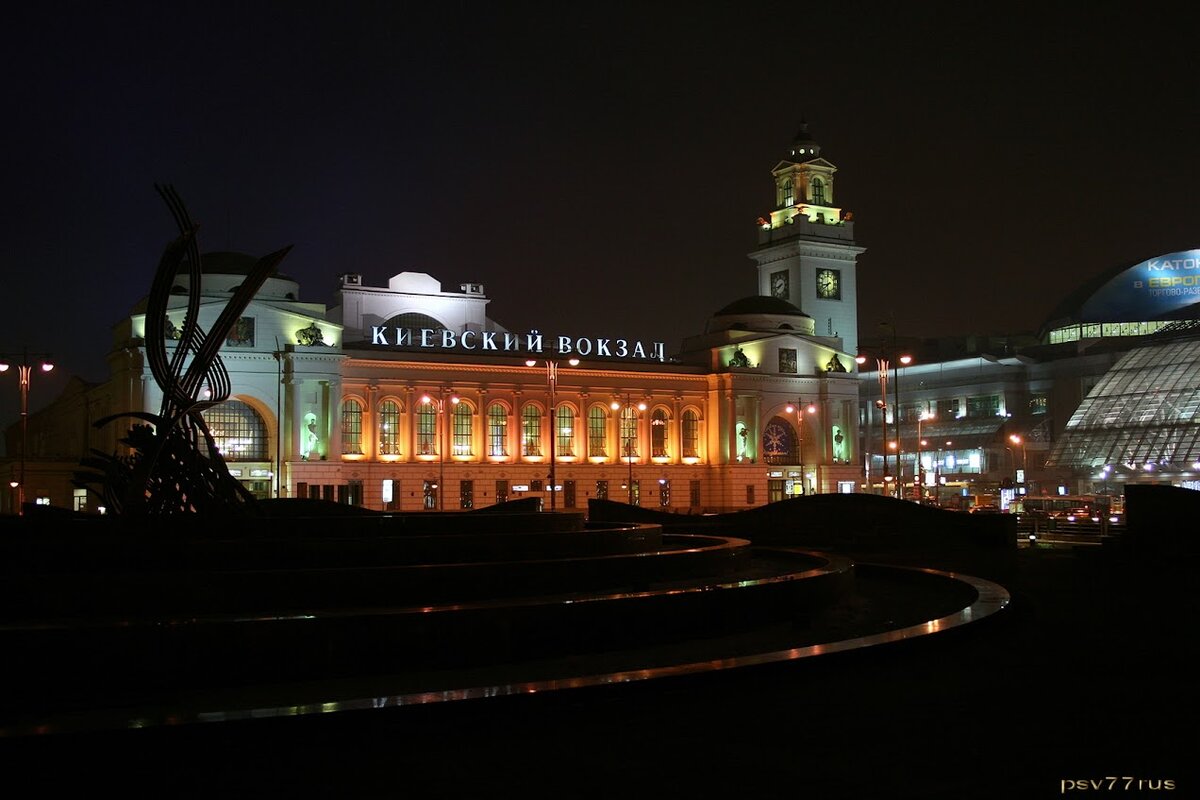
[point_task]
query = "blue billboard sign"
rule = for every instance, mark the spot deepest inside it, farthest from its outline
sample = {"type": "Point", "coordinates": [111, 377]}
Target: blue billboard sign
{"type": "Point", "coordinates": [1151, 290]}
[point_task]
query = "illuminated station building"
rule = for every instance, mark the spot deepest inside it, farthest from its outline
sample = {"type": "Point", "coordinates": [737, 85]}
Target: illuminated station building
{"type": "Point", "coordinates": [410, 397]}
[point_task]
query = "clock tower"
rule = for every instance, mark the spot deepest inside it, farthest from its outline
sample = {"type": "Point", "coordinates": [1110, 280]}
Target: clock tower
{"type": "Point", "coordinates": [806, 252]}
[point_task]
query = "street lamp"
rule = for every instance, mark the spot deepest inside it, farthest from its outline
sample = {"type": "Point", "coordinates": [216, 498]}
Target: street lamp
{"type": "Point", "coordinates": [24, 369]}
{"type": "Point", "coordinates": [440, 404]}
{"type": "Point", "coordinates": [881, 369]}
{"type": "Point", "coordinates": [628, 420]}
{"type": "Point", "coordinates": [801, 408]}
{"type": "Point", "coordinates": [924, 415]}
{"type": "Point", "coordinates": [881, 366]}
{"type": "Point", "coordinates": [1017, 439]}
{"type": "Point", "coordinates": [552, 382]}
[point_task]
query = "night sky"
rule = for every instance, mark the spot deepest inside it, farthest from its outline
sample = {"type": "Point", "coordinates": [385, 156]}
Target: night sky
{"type": "Point", "coordinates": [598, 167]}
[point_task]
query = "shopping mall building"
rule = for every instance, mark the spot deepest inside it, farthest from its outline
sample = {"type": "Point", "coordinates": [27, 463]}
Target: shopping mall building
{"type": "Point", "coordinates": [409, 396]}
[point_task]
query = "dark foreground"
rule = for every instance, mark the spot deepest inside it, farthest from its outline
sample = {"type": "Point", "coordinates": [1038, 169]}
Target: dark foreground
{"type": "Point", "coordinates": [1087, 676]}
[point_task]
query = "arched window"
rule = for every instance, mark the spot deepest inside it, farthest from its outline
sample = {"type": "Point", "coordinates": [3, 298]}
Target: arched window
{"type": "Point", "coordinates": [629, 420]}
{"type": "Point", "coordinates": [785, 194]}
{"type": "Point", "coordinates": [818, 191]}
{"type": "Point", "coordinates": [691, 434]}
{"type": "Point", "coordinates": [238, 431]}
{"type": "Point", "coordinates": [427, 429]}
{"type": "Point", "coordinates": [597, 424]}
{"type": "Point", "coordinates": [497, 430]}
{"type": "Point", "coordinates": [564, 429]}
{"type": "Point", "coordinates": [352, 412]}
{"type": "Point", "coordinates": [658, 433]}
{"type": "Point", "coordinates": [463, 414]}
{"type": "Point", "coordinates": [389, 428]}
{"type": "Point", "coordinates": [531, 431]}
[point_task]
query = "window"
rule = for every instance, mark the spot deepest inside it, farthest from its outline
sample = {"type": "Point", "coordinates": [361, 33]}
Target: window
{"type": "Point", "coordinates": [531, 431]}
{"type": "Point", "coordinates": [427, 429]}
{"type": "Point", "coordinates": [238, 431]}
{"type": "Point", "coordinates": [694, 494]}
{"type": "Point", "coordinates": [466, 494]}
{"type": "Point", "coordinates": [984, 406]}
{"type": "Point", "coordinates": [601, 490]}
{"type": "Point", "coordinates": [79, 499]}
{"type": "Point", "coordinates": [818, 191]}
{"type": "Point", "coordinates": [429, 495]}
{"type": "Point", "coordinates": [664, 492]}
{"type": "Point", "coordinates": [1039, 404]}
{"type": "Point", "coordinates": [461, 444]}
{"type": "Point", "coordinates": [691, 434]}
{"type": "Point", "coordinates": [568, 493]}
{"type": "Point", "coordinates": [948, 409]}
{"type": "Point", "coordinates": [750, 494]}
{"type": "Point", "coordinates": [658, 433]}
{"type": "Point", "coordinates": [352, 427]}
{"type": "Point", "coordinates": [597, 422]}
{"type": "Point", "coordinates": [564, 426]}
{"type": "Point", "coordinates": [629, 420]}
{"type": "Point", "coordinates": [389, 428]}
{"type": "Point", "coordinates": [301, 488]}
{"type": "Point", "coordinates": [501, 491]}
{"type": "Point", "coordinates": [497, 430]}
{"type": "Point", "coordinates": [390, 494]}
{"type": "Point", "coordinates": [786, 197]}
{"type": "Point", "coordinates": [354, 493]}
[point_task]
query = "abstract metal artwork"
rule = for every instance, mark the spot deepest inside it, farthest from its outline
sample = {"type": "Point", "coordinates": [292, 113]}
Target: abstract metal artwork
{"type": "Point", "coordinates": [173, 465]}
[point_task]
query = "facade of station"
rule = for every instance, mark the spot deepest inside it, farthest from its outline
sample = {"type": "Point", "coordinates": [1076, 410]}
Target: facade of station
{"type": "Point", "coordinates": [409, 396]}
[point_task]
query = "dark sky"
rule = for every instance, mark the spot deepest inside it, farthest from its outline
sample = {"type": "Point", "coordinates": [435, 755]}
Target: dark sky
{"type": "Point", "coordinates": [598, 167]}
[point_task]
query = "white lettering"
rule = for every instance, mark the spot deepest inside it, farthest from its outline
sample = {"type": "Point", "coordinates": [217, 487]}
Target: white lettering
{"type": "Point", "coordinates": [512, 341]}
{"type": "Point", "coordinates": [489, 341]}
{"type": "Point", "coordinates": [403, 337]}
{"type": "Point", "coordinates": [378, 334]}
{"type": "Point", "coordinates": [583, 346]}
{"type": "Point", "coordinates": [638, 350]}
{"type": "Point", "coordinates": [447, 339]}
{"type": "Point", "coordinates": [602, 347]}
{"type": "Point", "coordinates": [463, 340]}
{"type": "Point", "coordinates": [564, 344]}
{"type": "Point", "coordinates": [533, 342]}
{"type": "Point", "coordinates": [622, 348]}
{"type": "Point", "coordinates": [425, 334]}
{"type": "Point", "coordinates": [657, 352]}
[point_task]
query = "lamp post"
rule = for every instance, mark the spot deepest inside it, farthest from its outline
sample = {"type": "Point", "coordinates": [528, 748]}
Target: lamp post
{"type": "Point", "coordinates": [552, 382]}
{"type": "Point", "coordinates": [440, 404]}
{"type": "Point", "coordinates": [633, 414]}
{"type": "Point", "coordinates": [801, 408]}
{"type": "Point", "coordinates": [924, 415]}
{"type": "Point", "coordinates": [882, 363]}
{"type": "Point", "coordinates": [24, 370]}
{"type": "Point", "coordinates": [881, 369]}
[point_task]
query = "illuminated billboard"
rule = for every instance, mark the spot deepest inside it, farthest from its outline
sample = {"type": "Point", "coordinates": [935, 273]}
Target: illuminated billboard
{"type": "Point", "coordinates": [1154, 289]}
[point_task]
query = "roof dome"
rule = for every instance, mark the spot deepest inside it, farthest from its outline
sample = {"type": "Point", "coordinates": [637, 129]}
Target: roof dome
{"type": "Point", "coordinates": [228, 263]}
{"type": "Point", "coordinates": [760, 304]}
{"type": "Point", "coordinates": [223, 272]}
{"type": "Point", "coordinates": [761, 313]}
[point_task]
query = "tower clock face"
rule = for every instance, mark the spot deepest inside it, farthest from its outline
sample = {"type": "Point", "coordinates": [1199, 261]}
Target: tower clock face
{"type": "Point", "coordinates": [829, 284]}
{"type": "Point", "coordinates": [779, 285]}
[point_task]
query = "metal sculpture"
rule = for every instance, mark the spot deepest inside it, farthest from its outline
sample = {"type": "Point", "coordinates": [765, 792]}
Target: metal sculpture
{"type": "Point", "coordinates": [174, 465]}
